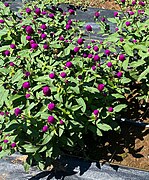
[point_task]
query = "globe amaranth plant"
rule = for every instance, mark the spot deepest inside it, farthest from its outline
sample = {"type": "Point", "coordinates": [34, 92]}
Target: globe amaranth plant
{"type": "Point", "coordinates": [55, 88]}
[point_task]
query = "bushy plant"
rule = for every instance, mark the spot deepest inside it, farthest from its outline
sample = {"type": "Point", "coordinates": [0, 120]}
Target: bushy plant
{"type": "Point", "coordinates": [55, 88]}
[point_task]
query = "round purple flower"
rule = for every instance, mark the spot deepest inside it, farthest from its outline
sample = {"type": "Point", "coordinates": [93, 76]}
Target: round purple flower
{"type": "Point", "coordinates": [34, 45]}
{"type": "Point", "coordinates": [28, 10]}
{"type": "Point", "coordinates": [115, 14]}
{"type": "Point", "coordinates": [43, 36]}
{"type": "Point", "coordinates": [110, 109]}
{"type": "Point", "coordinates": [46, 46]}
{"type": "Point", "coordinates": [51, 15]}
{"type": "Point", "coordinates": [90, 55]}
{"type": "Point", "coordinates": [61, 38]}
{"type": "Point", "coordinates": [131, 13]}
{"type": "Point", "coordinates": [69, 22]}
{"type": "Point", "coordinates": [80, 41]}
{"type": "Point", "coordinates": [13, 144]}
{"type": "Point", "coordinates": [61, 122]}
{"type": "Point", "coordinates": [96, 112]}
{"type": "Point", "coordinates": [133, 2]}
{"type": "Point", "coordinates": [85, 55]}
{"type": "Point", "coordinates": [101, 87]}
{"type": "Point", "coordinates": [27, 74]}
{"type": "Point", "coordinates": [1, 148]}
{"type": "Point", "coordinates": [116, 29]}
{"type": "Point", "coordinates": [97, 14]}
{"type": "Point", "coordinates": [119, 74]}
{"type": "Point", "coordinates": [109, 64]}
{"type": "Point", "coordinates": [6, 4]}
{"type": "Point", "coordinates": [93, 68]}
{"type": "Point", "coordinates": [96, 57]}
{"type": "Point", "coordinates": [103, 19]}
{"type": "Point", "coordinates": [51, 119]}
{"type": "Point", "coordinates": [12, 46]}
{"type": "Point", "coordinates": [46, 91]}
{"type": "Point", "coordinates": [45, 128]}
{"type": "Point", "coordinates": [123, 1]}
{"type": "Point", "coordinates": [11, 64]}
{"type": "Point", "coordinates": [43, 12]}
{"type": "Point", "coordinates": [5, 141]}
{"type": "Point", "coordinates": [121, 39]}
{"type": "Point", "coordinates": [2, 113]}
{"type": "Point", "coordinates": [43, 26]}
{"type": "Point", "coordinates": [68, 27]}
{"type": "Point", "coordinates": [2, 21]}
{"type": "Point", "coordinates": [7, 53]}
{"type": "Point", "coordinates": [63, 74]}
{"type": "Point", "coordinates": [107, 52]}
{"type": "Point", "coordinates": [121, 57]}
{"type": "Point", "coordinates": [88, 47]}
{"type": "Point", "coordinates": [17, 111]}
{"type": "Point", "coordinates": [26, 85]}
{"type": "Point", "coordinates": [69, 64]}
{"type": "Point", "coordinates": [141, 3]}
{"type": "Point", "coordinates": [37, 11]}
{"type": "Point", "coordinates": [76, 49]}
{"type": "Point", "coordinates": [134, 41]}
{"type": "Point", "coordinates": [51, 75]}
{"type": "Point", "coordinates": [127, 23]}
{"type": "Point", "coordinates": [27, 96]}
{"type": "Point", "coordinates": [28, 38]}
{"type": "Point", "coordinates": [71, 11]}
{"type": "Point", "coordinates": [51, 106]}
{"type": "Point", "coordinates": [89, 27]}
{"type": "Point", "coordinates": [96, 48]}
{"type": "Point", "coordinates": [29, 30]}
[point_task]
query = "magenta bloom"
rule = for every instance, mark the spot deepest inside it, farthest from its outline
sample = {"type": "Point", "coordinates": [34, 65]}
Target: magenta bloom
{"type": "Point", "coordinates": [119, 74]}
{"type": "Point", "coordinates": [71, 11]}
{"type": "Point", "coordinates": [110, 109]}
{"type": "Point", "coordinates": [29, 30]}
{"type": "Point", "coordinates": [107, 52]}
{"type": "Point", "coordinates": [61, 122]}
{"type": "Point", "coordinates": [101, 87]}
{"type": "Point", "coordinates": [51, 119]}
{"type": "Point", "coordinates": [131, 12]}
{"type": "Point", "coordinates": [89, 27]}
{"type": "Point", "coordinates": [69, 64]}
{"type": "Point", "coordinates": [2, 113]}
{"type": "Point", "coordinates": [123, 1]}
{"type": "Point", "coordinates": [17, 111]}
{"type": "Point", "coordinates": [5, 141]}
{"type": "Point", "coordinates": [11, 64]}
{"type": "Point", "coordinates": [27, 74]}
{"type": "Point", "coordinates": [88, 47]}
{"type": "Point", "coordinates": [45, 128]}
{"type": "Point", "coordinates": [61, 38]}
{"type": "Point", "coordinates": [46, 91]}
{"type": "Point", "coordinates": [46, 46]}
{"type": "Point", "coordinates": [6, 4]}
{"type": "Point", "coordinates": [12, 46]}
{"type": "Point", "coordinates": [115, 14]}
{"type": "Point", "coordinates": [80, 41]}
{"type": "Point", "coordinates": [97, 14]}
{"type": "Point", "coordinates": [69, 22]}
{"type": "Point", "coordinates": [43, 36]}
{"type": "Point", "coordinates": [121, 39]}
{"type": "Point", "coordinates": [27, 96]}
{"type": "Point", "coordinates": [141, 3]}
{"type": "Point", "coordinates": [90, 55]}
{"type": "Point", "coordinates": [127, 23]}
{"type": "Point", "coordinates": [96, 57]}
{"type": "Point", "coordinates": [121, 57]}
{"type": "Point", "coordinates": [43, 12]}
{"type": "Point", "coordinates": [109, 64]}
{"type": "Point", "coordinates": [96, 48]}
{"type": "Point", "coordinates": [26, 85]}
{"type": "Point", "coordinates": [68, 27]}
{"type": "Point", "coordinates": [28, 38]}
{"type": "Point", "coordinates": [133, 2]}
{"type": "Point", "coordinates": [51, 15]}
{"type": "Point", "coordinates": [103, 19]}
{"type": "Point", "coordinates": [13, 145]}
{"type": "Point", "coordinates": [37, 11]}
{"type": "Point", "coordinates": [76, 49]}
{"type": "Point", "coordinates": [116, 29]}
{"type": "Point", "coordinates": [63, 74]}
{"type": "Point", "coordinates": [34, 45]}
{"type": "Point", "coordinates": [43, 26]}
{"type": "Point", "coordinates": [51, 106]}
{"type": "Point", "coordinates": [1, 148]}
{"type": "Point", "coordinates": [96, 112]}
{"type": "Point", "coordinates": [28, 10]}
{"type": "Point", "coordinates": [93, 68]}
{"type": "Point", "coordinates": [2, 21]}
{"type": "Point", "coordinates": [52, 75]}
{"type": "Point", "coordinates": [7, 53]}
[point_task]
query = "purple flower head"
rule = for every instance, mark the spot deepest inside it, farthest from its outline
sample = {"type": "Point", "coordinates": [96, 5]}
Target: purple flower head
{"type": "Point", "coordinates": [115, 14]}
{"type": "Point", "coordinates": [96, 48]}
{"type": "Point", "coordinates": [46, 46]}
{"type": "Point", "coordinates": [2, 113]}
{"type": "Point", "coordinates": [90, 55]}
{"type": "Point", "coordinates": [133, 2]}
{"type": "Point", "coordinates": [97, 14]}
{"type": "Point", "coordinates": [27, 96]}
{"type": "Point", "coordinates": [123, 1]}
{"type": "Point", "coordinates": [37, 11]}
{"type": "Point", "coordinates": [5, 141]}
{"type": "Point", "coordinates": [43, 12]}
{"type": "Point", "coordinates": [51, 119]}
{"type": "Point", "coordinates": [119, 74]}
{"type": "Point", "coordinates": [2, 21]}
{"type": "Point", "coordinates": [61, 122]}
{"type": "Point", "coordinates": [51, 75]}
{"type": "Point", "coordinates": [107, 52]}
{"type": "Point", "coordinates": [7, 53]}
{"type": "Point", "coordinates": [88, 47]}
{"type": "Point", "coordinates": [63, 74]}
{"type": "Point", "coordinates": [127, 23]}
{"type": "Point", "coordinates": [12, 46]}
{"type": "Point", "coordinates": [121, 39]}
{"type": "Point", "coordinates": [28, 10]}
{"type": "Point", "coordinates": [29, 30]}
{"type": "Point", "coordinates": [17, 111]}
{"type": "Point", "coordinates": [71, 11]}
{"type": "Point", "coordinates": [122, 57]}
{"type": "Point", "coordinates": [44, 128]}
{"type": "Point", "coordinates": [68, 27]}
{"type": "Point", "coordinates": [80, 41]}
{"type": "Point", "coordinates": [116, 29]}
{"type": "Point", "coordinates": [27, 74]}
{"type": "Point", "coordinates": [34, 45]}
{"type": "Point", "coordinates": [43, 26]}
{"type": "Point", "coordinates": [51, 106]}
{"type": "Point", "coordinates": [46, 91]}
{"type": "Point", "coordinates": [51, 15]}
{"type": "Point", "coordinates": [89, 27]}
{"type": "Point", "coordinates": [1, 148]}
{"type": "Point", "coordinates": [96, 57]}
{"type": "Point", "coordinates": [141, 3]}
{"type": "Point", "coordinates": [80, 77]}
{"type": "Point", "coordinates": [93, 68]}
{"type": "Point", "coordinates": [103, 19]}
{"type": "Point", "coordinates": [134, 41]}
{"type": "Point", "coordinates": [85, 55]}
{"type": "Point", "coordinates": [109, 64]}
{"type": "Point", "coordinates": [11, 63]}
{"type": "Point", "coordinates": [101, 87]}
{"type": "Point", "coordinates": [131, 13]}
{"type": "Point", "coordinates": [110, 109]}
{"type": "Point", "coordinates": [43, 36]}
{"type": "Point", "coordinates": [61, 38]}
{"type": "Point", "coordinates": [13, 144]}
{"type": "Point", "coordinates": [26, 85]}
{"type": "Point", "coordinates": [28, 38]}
{"type": "Point", "coordinates": [6, 4]}
{"type": "Point", "coordinates": [76, 49]}
{"type": "Point", "coordinates": [96, 112]}
{"type": "Point", "coordinates": [69, 22]}
{"type": "Point", "coordinates": [69, 64]}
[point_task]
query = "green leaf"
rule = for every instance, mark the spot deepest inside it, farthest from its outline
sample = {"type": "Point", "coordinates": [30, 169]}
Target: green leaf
{"type": "Point", "coordinates": [113, 20]}
{"type": "Point", "coordinates": [47, 138]}
{"type": "Point", "coordinates": [81, 102]}
{"type": "Point", "coordinates": [137, 63]}
{"type": "Point", "coordinates": [144, 74]}
{"type": "Point", "coordinates": [104, 127]}
{"type": "Point", "coordinates": [128, 50]}
{"type": "Point", "coordinates": [98, 132]}
{"type": "Point", "coordinates": [29, 148]}
{"type": "Point", "coordinates": [58, 97]}
{"type": "Point", "coordinates": [125, 64]}
{"type": "Point", "coordinates": [125, 80]}
{"type": "Point", "coordinates": [3, 95]}
{"type": "Point", "coordinates": [18, 76]}
{"type": "Point", "coordinates": [119, 107]}
{"type": "Point", "coordinates": [118, 95]}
